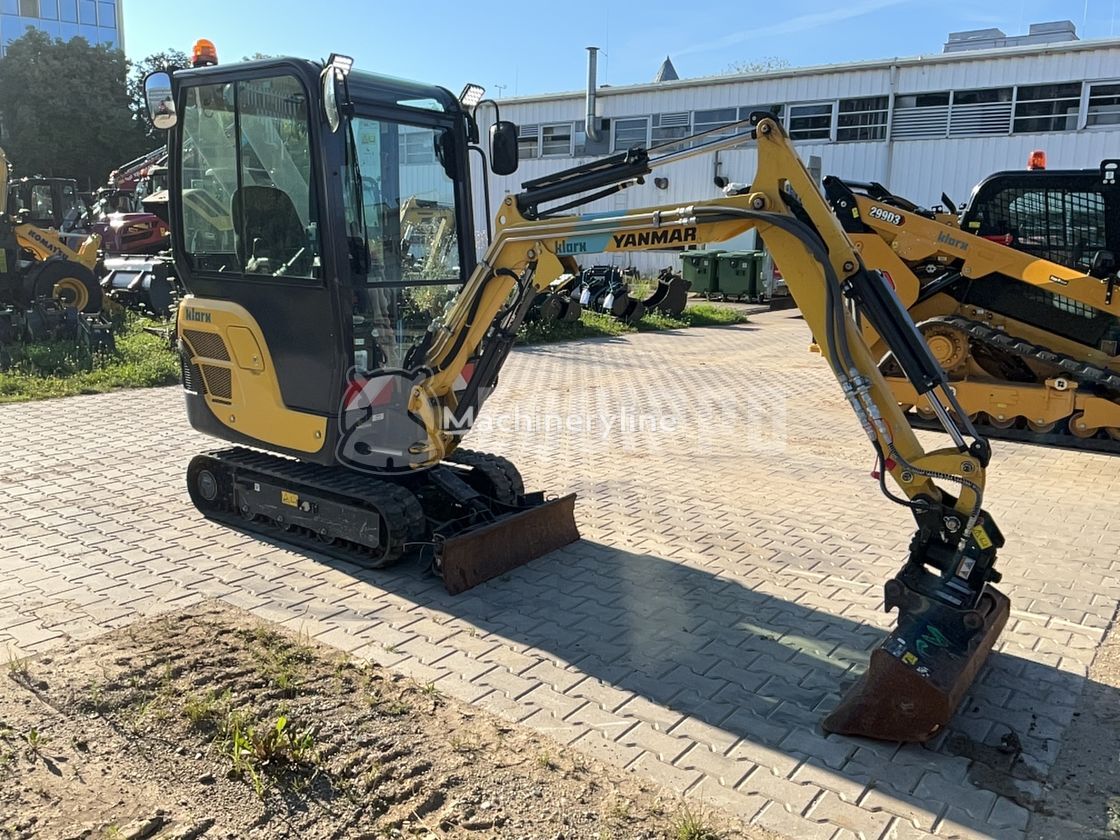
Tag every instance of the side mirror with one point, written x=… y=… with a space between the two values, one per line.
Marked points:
x=503 y=147
x=1103 y=263
x=445 y=153
x=332 y=97
x=160 y=100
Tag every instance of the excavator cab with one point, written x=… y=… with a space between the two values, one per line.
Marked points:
x=301 y=225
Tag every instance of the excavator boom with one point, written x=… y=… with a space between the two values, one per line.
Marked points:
x=949 y=614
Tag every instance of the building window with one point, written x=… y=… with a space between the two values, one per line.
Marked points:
x=556 y=140
x=417 y=146
x=528 y=141
x=630 y=132
x=810 y=122
x=1104 y=104
x=713 y=119
x=29 y=8
x=920 y=115
x=107 y=15
x=862 y=119
x=1047 y=108
x=745 y=112
x=87 y=12
x=68 y=10
x=669 y=127
x=985 y=111
x=48 y=9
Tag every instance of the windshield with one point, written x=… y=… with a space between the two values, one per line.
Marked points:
x=403 y=215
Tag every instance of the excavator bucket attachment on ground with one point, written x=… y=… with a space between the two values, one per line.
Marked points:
x=919 y=674
x=513 y=539
x=670 y=296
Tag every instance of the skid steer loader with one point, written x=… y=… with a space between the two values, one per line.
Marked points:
x=1017 y=300
x=301 y=338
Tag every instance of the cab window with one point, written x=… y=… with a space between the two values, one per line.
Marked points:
x=403 y=217
x=247 y=191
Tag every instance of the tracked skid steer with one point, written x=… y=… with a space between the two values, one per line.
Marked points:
x=1017 y=299
x=347 y=383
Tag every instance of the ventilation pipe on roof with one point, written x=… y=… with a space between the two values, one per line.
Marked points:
x=592 y=83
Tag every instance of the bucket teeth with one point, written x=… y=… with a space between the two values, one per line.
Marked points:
x=917 y=677
x=513 y=539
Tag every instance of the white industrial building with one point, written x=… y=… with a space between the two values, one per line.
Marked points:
x=921 y=126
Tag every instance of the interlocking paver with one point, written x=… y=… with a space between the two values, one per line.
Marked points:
x=718 y=602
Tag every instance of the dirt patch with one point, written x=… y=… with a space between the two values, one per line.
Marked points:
x=1081 y=798
x=209 y=723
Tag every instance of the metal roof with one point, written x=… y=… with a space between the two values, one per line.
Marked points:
x=872 y=64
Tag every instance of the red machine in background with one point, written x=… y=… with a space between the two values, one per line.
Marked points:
x=119 y=213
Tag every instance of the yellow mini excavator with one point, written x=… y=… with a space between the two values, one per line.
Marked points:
x=1017 y=300
x=40 y=263
x=299 y=339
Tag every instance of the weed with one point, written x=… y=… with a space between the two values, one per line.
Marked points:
x=18 y=667
x=281 y=661
x=691 y=825
x=430 y=690
x=95 y=698
x=113 y=832
x=397 y=708
x=545 y=760
x=460 y=744
x=619 y=810
x=254 y=750
x=35 y=740
x=204 y=711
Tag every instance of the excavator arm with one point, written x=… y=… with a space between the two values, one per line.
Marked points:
x=949 y=614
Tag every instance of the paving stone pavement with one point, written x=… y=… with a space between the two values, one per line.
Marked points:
x=726 y=592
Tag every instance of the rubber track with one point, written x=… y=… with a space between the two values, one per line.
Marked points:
x=400 y=511
x=1080 y=372
x=500 y=472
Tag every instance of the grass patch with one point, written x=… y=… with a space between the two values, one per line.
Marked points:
x=597 y=325
x=142 y=360
x=691 y=825
x=39 y=371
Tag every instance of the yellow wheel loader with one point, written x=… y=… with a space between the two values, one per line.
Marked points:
x=1018 y=301
x=347 y=404
x=44 y=266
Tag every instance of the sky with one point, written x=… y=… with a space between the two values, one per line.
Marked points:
x=524 y=48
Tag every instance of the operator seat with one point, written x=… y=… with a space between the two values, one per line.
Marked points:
x=271 y=229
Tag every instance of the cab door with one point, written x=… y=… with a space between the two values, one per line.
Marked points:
x=248 y=228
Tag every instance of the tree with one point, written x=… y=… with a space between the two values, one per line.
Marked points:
x=767 y=64
x=65 y=108
x=165 y=60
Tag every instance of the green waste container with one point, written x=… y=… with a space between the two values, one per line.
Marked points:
x=700 y=269
x=738 y=274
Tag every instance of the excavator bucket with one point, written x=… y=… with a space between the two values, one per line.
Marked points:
x=917 y=677
x=513 y=539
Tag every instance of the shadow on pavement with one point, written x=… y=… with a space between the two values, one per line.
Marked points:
x=766 y=670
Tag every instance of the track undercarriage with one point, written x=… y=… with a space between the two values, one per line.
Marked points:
x=440 y=514
x=1015 y=390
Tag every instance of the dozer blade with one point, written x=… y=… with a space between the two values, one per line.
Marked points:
x=917 y=677
x=476 y=555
